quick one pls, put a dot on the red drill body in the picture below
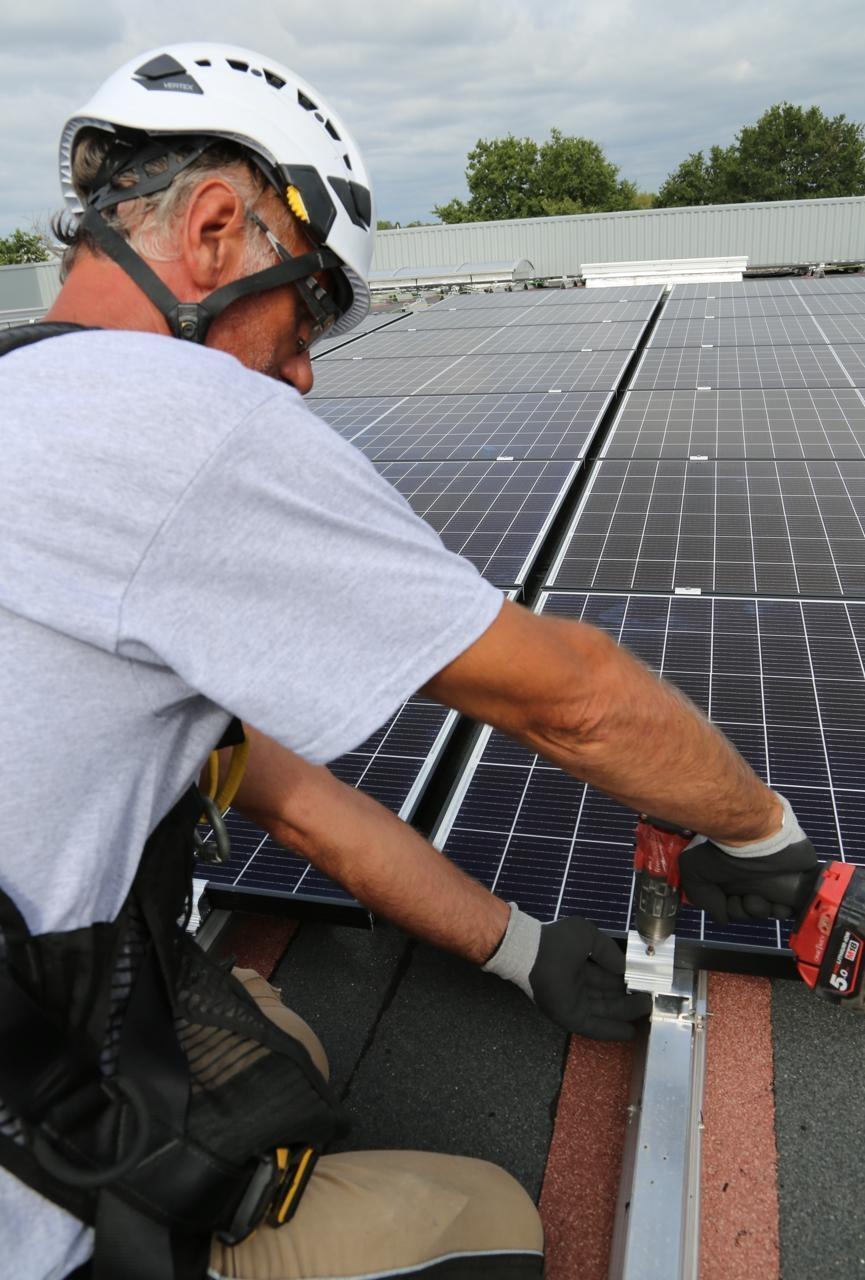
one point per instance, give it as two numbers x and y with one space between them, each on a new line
657 847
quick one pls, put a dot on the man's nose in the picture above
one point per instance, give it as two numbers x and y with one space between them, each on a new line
298 371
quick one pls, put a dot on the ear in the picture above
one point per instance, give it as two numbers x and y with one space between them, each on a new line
214 234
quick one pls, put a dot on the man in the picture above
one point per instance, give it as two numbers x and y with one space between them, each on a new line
184 542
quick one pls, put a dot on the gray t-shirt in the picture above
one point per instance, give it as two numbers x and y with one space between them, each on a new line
181 539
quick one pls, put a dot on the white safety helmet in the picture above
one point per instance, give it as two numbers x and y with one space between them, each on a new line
196 91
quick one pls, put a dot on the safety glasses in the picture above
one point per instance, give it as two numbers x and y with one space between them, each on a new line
323 311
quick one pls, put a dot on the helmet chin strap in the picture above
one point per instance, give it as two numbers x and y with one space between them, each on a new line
191 320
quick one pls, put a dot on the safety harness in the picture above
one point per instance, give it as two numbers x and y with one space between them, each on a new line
141 1087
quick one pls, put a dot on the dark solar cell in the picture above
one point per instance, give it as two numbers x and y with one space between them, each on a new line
673 368
580 371
774 423
471 426
772 528
405 340
782 678
393 766
493 513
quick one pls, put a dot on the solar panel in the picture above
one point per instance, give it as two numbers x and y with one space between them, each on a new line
765 305
673 368
554 297
736 527
744 331
493 513
348 416
783 679
470 426
841 283
590 312
393 766
776 286
774 423
753 288
577 371
401 341
371 323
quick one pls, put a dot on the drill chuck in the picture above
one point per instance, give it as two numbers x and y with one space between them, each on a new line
656 908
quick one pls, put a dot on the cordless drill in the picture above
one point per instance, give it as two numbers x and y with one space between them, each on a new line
828 939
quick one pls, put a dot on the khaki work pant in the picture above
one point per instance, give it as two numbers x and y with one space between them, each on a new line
367 1215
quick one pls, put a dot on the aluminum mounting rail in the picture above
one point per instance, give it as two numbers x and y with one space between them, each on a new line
656 1231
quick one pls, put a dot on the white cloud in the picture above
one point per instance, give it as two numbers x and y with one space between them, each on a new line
419 81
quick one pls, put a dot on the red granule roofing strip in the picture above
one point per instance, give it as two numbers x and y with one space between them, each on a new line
739 1188
581 1183
257 942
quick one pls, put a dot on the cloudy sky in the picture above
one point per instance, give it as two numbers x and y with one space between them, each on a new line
419 81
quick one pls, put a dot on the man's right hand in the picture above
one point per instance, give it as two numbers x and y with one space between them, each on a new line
767 879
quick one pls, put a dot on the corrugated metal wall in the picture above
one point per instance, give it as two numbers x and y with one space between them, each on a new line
780 233
29 286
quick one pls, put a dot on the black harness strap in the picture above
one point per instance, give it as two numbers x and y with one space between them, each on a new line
23 335
191 320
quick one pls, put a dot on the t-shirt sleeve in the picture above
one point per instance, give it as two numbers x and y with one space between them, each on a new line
295 587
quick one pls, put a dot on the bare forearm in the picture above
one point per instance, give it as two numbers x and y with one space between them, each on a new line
378 858
648 746
570 693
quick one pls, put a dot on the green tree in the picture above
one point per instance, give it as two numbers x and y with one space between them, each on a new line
790 153
515 178
574 176
22 246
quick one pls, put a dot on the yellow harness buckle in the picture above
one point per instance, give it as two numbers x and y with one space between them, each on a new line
296 1174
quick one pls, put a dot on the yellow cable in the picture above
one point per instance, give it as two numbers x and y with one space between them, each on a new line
212 774
234 777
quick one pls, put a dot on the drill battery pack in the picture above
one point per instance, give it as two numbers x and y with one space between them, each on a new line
829 940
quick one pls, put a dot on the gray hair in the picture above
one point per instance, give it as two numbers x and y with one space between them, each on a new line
150 223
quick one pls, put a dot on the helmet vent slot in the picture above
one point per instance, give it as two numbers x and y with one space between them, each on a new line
237 64
333 133
202 62
347 160
305 102
275 81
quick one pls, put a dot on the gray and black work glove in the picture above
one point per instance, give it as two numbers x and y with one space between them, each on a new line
573 972
765 879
